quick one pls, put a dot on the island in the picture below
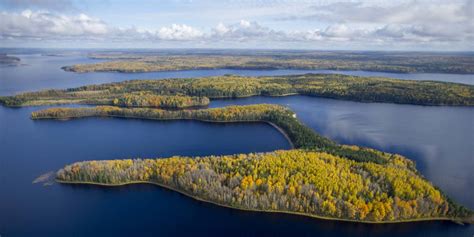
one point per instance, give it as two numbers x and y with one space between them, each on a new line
317 177
362 89
402 62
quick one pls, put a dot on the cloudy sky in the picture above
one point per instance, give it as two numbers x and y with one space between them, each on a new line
290 24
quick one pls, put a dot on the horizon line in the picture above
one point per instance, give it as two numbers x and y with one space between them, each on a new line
244 49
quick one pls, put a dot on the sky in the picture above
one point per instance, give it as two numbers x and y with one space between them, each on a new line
427 25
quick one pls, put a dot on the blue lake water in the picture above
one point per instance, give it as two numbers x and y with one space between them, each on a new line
439 139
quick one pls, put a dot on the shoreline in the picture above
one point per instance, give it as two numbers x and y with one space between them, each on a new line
460 222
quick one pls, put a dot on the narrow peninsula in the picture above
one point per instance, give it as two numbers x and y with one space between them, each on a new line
318 178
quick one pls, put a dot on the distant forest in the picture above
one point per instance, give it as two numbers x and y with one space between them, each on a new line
400 62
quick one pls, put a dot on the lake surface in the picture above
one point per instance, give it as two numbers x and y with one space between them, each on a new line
439 139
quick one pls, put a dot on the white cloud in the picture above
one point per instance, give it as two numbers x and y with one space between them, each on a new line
393 12
245 31
221 29
45 25
179 32
405 20
361 23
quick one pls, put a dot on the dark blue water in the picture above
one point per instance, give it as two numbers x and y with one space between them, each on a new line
30 148
44 72
439 139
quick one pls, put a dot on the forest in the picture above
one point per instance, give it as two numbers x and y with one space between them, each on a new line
296 181
159 101
364 89
309 60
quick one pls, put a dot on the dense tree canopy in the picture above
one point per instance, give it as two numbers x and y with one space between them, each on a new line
159 101
331 86
297 181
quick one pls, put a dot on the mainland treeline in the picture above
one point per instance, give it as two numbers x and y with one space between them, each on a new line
400 63
299 135
296 181
352 88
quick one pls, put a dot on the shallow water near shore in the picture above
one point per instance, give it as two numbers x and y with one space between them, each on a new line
439 139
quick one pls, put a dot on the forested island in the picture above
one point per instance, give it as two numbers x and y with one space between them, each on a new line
364 89
402 62
319 178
